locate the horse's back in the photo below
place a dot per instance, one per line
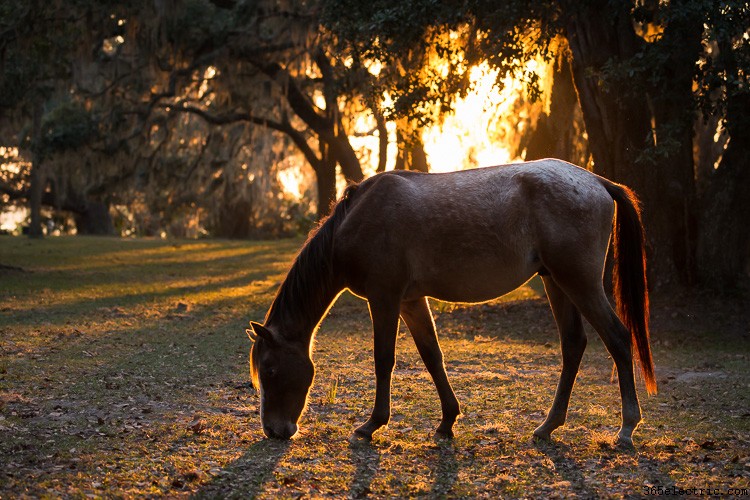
(469, 235)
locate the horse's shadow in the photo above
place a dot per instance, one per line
(570, 470)
(366, 459)
(566, 467)
(446, 469)
(245, 477)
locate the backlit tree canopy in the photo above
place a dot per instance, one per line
(191, 117)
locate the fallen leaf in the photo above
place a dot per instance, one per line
(197, 426)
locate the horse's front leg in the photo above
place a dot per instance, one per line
(384, 314)
(418, 318)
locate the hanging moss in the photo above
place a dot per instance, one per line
(68, 126)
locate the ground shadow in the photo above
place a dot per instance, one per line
(246, 476)
(445, 471)
(366, 460)
(565, 465)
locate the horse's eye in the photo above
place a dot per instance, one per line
(272, 372)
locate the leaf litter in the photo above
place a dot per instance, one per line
(144, 390)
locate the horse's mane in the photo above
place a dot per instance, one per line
(312, 270)
(304, 290)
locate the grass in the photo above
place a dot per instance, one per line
(123, 372)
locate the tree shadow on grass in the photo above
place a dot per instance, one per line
(246, 476)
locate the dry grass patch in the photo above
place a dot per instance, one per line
(123, 372)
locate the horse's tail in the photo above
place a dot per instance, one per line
(629, 275)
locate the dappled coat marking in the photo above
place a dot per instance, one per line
(469, 236)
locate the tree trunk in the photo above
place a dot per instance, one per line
(674, 116)
(234, 220)
(342, 150)
(382, 140)
(418, 156)
(38, 177)
(618, 121)
(94, 219)
(326, 183)
(724, 240)
(411, 154)
(560, 135)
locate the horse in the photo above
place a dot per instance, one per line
(402, 237)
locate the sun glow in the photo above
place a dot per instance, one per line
(484, 129)
(480, 132)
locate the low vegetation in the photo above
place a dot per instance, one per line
(123, 372)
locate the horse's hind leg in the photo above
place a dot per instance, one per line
(416, 314)
(384, 315)
(573, 343)
(595, 307)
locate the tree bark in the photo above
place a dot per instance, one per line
(342, 150)
(560, 135)
(674, 116)
(326, 183)
(38, 177)
(724, 241)
(619, 126)
(411, 154)
(94, 219)
(382, 139)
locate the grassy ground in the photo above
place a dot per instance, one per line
(123, 372)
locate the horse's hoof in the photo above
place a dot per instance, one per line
(359, 438)
(542, 434)
(624, 443)
(443, 435)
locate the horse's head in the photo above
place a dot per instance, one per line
(283, 373)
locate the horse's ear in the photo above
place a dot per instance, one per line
(251, 334)
(260, 331)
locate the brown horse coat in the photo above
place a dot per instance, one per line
(468, 236)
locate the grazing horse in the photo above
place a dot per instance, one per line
(468, 236)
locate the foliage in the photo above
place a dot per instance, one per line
(427, 46)
(67, 126)
(196, 24)
(725, 73)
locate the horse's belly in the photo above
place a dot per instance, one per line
(470, 280)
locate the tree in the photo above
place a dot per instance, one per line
(274, 70)
(139, 75)
(49, 51)
(33, 64)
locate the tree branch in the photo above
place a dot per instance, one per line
(298, 101)
(283, 126)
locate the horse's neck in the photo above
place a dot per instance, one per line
(297, 318)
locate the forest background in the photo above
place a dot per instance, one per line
(238, 119)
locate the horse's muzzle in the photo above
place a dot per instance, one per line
(283, 431)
